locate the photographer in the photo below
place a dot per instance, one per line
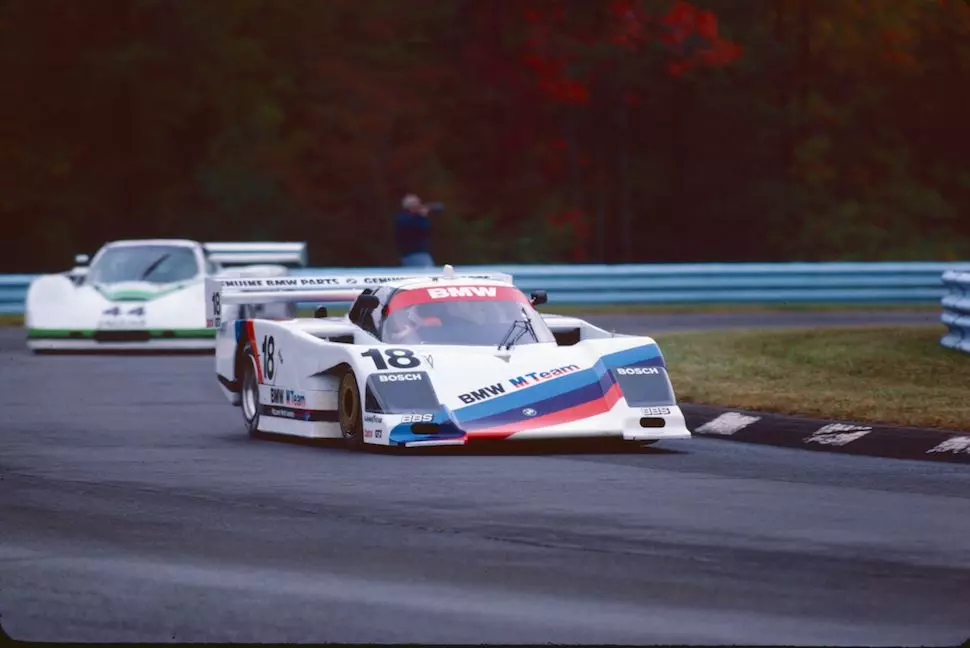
(412, 232)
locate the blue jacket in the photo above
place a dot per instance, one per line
(411, 232)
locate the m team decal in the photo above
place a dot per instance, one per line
(539, 376)
(288, 397)
(524, 380)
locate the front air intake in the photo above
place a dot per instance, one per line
(652, 422)
(425, 428)
(121, 336)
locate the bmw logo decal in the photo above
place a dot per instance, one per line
(528, 411)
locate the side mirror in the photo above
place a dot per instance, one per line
(321, 311)
(539, 297)
(368, 301)
(81, 259)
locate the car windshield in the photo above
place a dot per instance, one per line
(463, 315)
(151, 263)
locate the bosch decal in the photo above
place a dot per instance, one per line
(638, 371)
(400, 377)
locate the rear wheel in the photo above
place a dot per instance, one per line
(351, 416)
(249, 394)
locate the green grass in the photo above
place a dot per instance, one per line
(11, 320)
(894, 375)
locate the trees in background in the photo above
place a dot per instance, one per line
(554, 130)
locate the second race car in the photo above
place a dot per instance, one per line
(145, 294)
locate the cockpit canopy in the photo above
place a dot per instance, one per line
(453, 314)
(151, 263)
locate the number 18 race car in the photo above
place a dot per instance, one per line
(434, 360)
(145, 294)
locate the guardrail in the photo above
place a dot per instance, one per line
(956, 310)
(680, 283)
(13, 292)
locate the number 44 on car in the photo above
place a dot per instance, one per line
(442, 359)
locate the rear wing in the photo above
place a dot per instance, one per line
(226, 254)
(318, 289)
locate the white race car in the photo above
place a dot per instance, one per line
(434, 360)
(145, 294)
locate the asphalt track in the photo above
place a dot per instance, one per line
(134, 508)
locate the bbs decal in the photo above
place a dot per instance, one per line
(655, 411)
(397, 358)
(417, 418)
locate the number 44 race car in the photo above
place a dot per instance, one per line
(145, 294)
(434, 360)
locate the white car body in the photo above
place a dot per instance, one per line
(579, 381)
(108, 307)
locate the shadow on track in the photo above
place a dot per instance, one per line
(484, 448)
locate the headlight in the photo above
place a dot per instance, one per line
(400, 392)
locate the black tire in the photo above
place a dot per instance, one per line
(350, 411)
(249, 390)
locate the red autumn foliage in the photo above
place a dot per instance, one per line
(685, 23)
(551, 50)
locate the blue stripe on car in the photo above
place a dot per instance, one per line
(569, 386)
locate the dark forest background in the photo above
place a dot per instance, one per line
(554, 130)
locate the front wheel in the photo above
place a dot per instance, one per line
(351, 417)
(249, 394)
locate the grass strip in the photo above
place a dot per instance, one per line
(878, 374)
